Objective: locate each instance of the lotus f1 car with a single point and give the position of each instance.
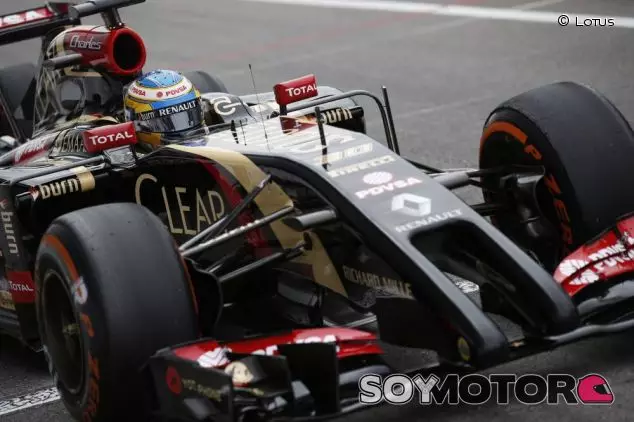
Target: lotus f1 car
(255, 272)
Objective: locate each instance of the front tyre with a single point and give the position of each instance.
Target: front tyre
(111, 290)
(585, 148)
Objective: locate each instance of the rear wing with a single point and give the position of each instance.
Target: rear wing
(39, 21)
(33, 23)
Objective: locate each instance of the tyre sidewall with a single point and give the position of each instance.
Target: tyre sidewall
(524, 144)
(61, 255)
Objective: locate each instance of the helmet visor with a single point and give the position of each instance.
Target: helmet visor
(175, 118)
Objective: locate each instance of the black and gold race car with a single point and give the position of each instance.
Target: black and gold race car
(249, 273)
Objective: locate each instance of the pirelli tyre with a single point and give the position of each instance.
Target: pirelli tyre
(204, 82)
(585, 147)
(111, 290)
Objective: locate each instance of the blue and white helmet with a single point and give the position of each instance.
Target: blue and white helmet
(165, 107)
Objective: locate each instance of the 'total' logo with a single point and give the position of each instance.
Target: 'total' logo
(173, 380)
(296, 90)
(108, 137)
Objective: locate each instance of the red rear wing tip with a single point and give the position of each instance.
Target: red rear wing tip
(295, 90)
(33, 23)
(26, 17)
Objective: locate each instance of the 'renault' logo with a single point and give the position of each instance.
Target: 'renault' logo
(410, 204)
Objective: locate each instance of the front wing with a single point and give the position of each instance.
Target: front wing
(310, 373)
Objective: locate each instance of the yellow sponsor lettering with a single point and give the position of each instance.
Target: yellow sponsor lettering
(189, 210)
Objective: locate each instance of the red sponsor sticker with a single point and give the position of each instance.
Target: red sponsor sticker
(349, 343)
(600, 260)
(173, 380)
(25, 17)
(137, 91)
(108, 137)
(292, 125)
(296, 90)
(32, 149)
(21, 286)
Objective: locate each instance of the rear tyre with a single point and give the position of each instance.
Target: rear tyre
(585, 147)
(204, 82)
(111, 291)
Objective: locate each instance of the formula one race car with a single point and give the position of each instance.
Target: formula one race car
(249, 273)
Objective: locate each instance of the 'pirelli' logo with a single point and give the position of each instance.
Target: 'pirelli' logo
(353, 168)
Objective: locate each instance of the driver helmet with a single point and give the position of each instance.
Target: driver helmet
(165, 107)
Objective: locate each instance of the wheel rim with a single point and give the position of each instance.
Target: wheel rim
(64, 341)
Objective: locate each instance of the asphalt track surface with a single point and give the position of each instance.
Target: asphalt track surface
(445, 73)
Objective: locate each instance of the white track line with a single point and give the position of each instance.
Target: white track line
(478, 12)
(37, 398)
(426, 30)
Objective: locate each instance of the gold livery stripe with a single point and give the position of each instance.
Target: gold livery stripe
(85, 177)
(271, 199)
(6, 301)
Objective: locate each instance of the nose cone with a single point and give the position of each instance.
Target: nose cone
(594, 389)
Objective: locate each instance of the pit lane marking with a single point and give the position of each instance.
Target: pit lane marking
(477, 12)
(34, 399)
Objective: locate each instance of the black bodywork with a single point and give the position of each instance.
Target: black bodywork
(340, 236)
(223, 167)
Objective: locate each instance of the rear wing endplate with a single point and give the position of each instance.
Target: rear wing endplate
(37, 22)
(33, 23)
